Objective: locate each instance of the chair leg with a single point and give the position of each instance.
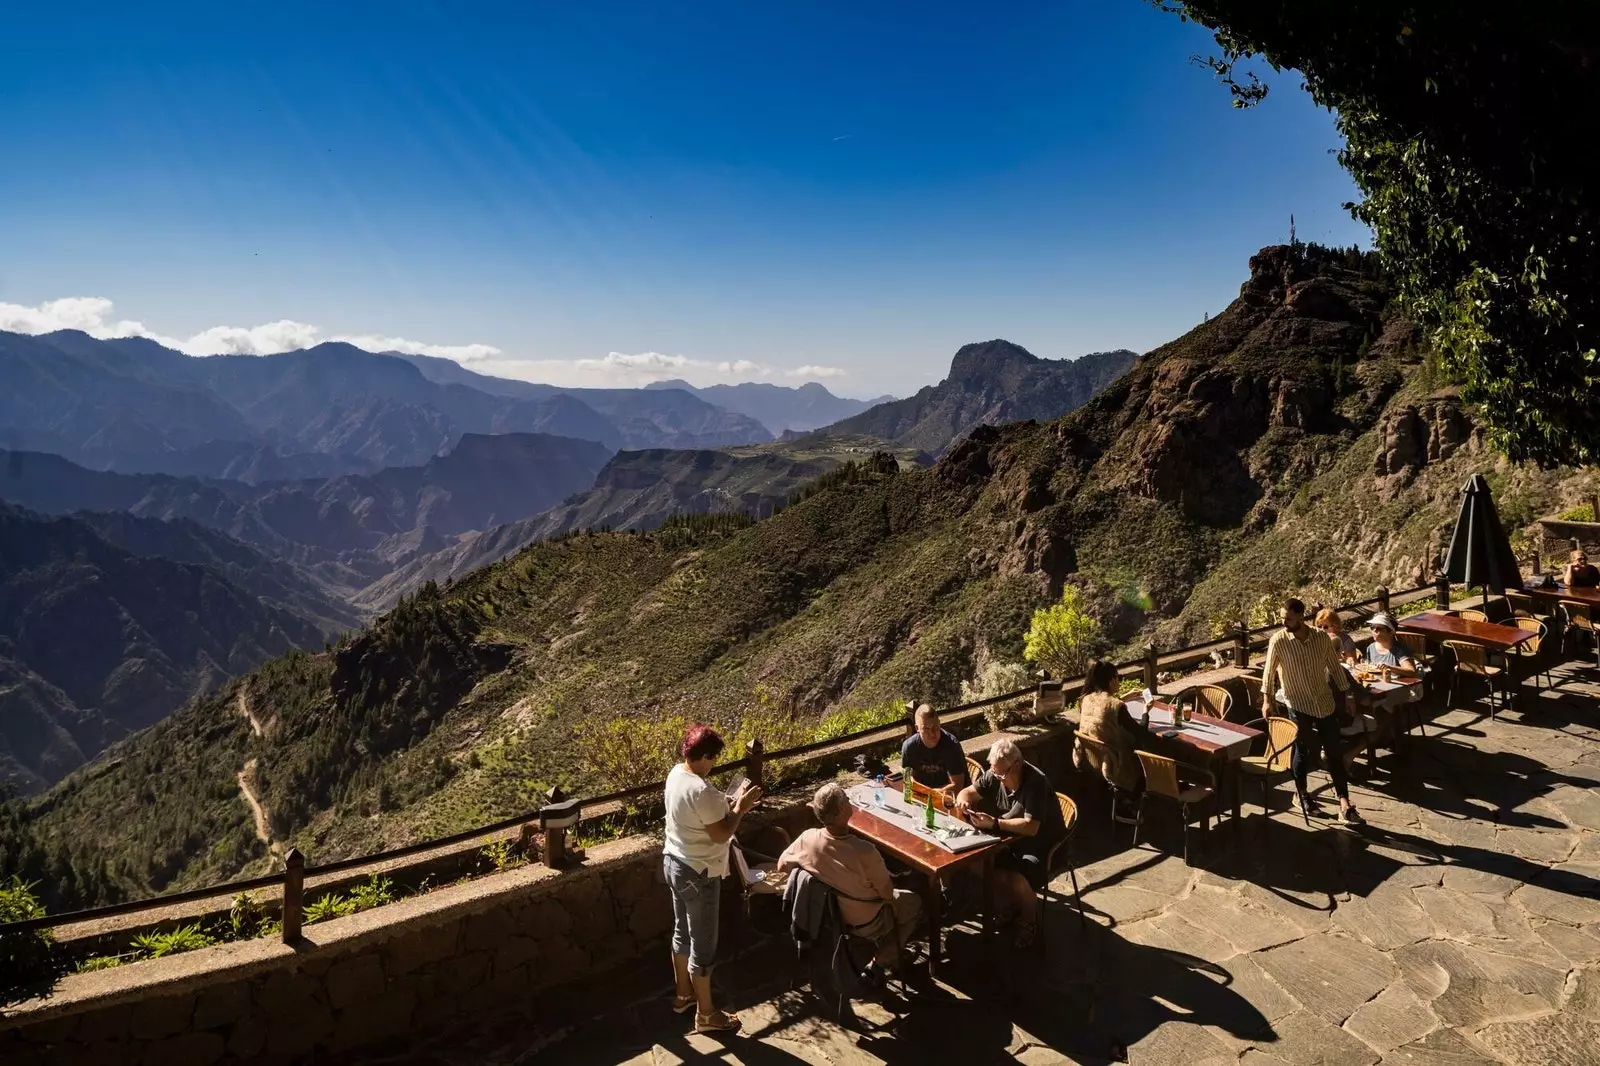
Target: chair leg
(1138, 820)
(1077, 897)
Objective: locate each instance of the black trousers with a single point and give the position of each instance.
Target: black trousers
(1319, 734)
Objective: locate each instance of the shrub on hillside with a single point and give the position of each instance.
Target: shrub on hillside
(1062, 636)
(627, 752)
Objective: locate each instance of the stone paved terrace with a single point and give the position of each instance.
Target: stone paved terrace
(1460, 927)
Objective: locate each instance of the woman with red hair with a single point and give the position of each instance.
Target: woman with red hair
(700, 822)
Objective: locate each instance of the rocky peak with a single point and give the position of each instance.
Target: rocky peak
(978, 362)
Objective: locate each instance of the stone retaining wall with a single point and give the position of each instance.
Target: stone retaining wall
(537, 945)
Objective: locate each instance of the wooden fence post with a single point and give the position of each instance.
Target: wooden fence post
(911, 717)
(755, 762)
(555, 818)
(1383, 598)
(294, 894)
(1150, 662)
(1441, 592)
(1537, 564)
(1241, 647)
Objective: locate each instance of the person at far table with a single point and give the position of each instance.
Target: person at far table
(1014, 799)
(1303, 669)
(868, 901)
(1580, 573)
(1103, 716)
(932, 755)
(1389, 650)
(1329, 622)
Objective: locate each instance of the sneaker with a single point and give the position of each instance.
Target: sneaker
(1306, 809)
(716, 1022)
(1351, 816)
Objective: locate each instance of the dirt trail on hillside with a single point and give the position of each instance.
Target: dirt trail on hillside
(244, 709)
(247, 789)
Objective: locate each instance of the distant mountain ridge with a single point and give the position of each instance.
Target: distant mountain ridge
(131, 405)
(98, 641)
(349, 530)
(989, 383)
(778, 407)
(670, 418)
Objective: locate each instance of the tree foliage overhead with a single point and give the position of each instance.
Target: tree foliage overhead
(1470, 130)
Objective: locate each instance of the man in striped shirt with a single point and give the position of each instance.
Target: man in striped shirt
(1301, 662)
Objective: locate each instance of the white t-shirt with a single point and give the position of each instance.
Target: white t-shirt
(692, 804)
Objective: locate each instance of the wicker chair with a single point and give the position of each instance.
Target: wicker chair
(1209, 699)
(1473, 661)
(1522, 605)
(974, 770)
(1161, 778)
(1472, 616)
(1096, 755)
(1523, 660)
(1062, 847)
(1273, 764)
(1579, 616)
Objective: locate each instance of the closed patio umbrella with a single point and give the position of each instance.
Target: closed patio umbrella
(1480, 552)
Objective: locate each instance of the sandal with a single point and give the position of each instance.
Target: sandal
(716, 1022)
(682, 1004)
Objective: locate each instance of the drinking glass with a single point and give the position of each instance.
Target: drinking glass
(877, 791)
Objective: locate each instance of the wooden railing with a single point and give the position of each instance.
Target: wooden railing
(562, 812)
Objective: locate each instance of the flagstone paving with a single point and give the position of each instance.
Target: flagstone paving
(1461, 926)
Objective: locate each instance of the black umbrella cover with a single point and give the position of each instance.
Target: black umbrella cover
(1480, 552)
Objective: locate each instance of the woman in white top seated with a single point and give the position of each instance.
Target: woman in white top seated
(700, 822)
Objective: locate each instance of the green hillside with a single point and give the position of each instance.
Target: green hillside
(1184, 490)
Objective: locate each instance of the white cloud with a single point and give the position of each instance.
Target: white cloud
(809, 371)
(92, 315)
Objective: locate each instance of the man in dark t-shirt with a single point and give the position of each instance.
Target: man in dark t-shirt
(932, 755)
(1015, 800)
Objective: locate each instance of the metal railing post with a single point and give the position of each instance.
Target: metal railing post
(756, 762)
(294, 895)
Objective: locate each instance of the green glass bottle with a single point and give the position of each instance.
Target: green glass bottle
(932, 821)
(910, 799)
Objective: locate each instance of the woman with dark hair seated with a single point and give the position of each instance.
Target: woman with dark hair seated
(700, 822)
(1103, 716)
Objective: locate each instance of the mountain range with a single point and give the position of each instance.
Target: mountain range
(132, 405)
(1273, 448)
(988, 384)
(781, 410)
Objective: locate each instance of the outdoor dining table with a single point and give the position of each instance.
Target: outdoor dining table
(1211, 743)
(899, 830)
(1441, 627)
(1558, 593)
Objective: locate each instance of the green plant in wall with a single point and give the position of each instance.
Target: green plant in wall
(376, 892)
(327, 907)
(501, 854)
(184, 938)
(100, 962)
(1062, 636)
(26, 958)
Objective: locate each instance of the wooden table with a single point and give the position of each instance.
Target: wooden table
(934, 863)
(1441, 627)
(1189, 746)
(1561, 592)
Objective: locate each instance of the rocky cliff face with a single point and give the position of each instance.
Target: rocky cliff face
(1430, 431)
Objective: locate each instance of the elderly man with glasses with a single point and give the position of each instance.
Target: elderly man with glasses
(1014, 799)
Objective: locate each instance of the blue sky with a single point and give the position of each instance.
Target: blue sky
(559, 191)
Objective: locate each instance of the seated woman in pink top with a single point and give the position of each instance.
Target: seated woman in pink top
(868, 901)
